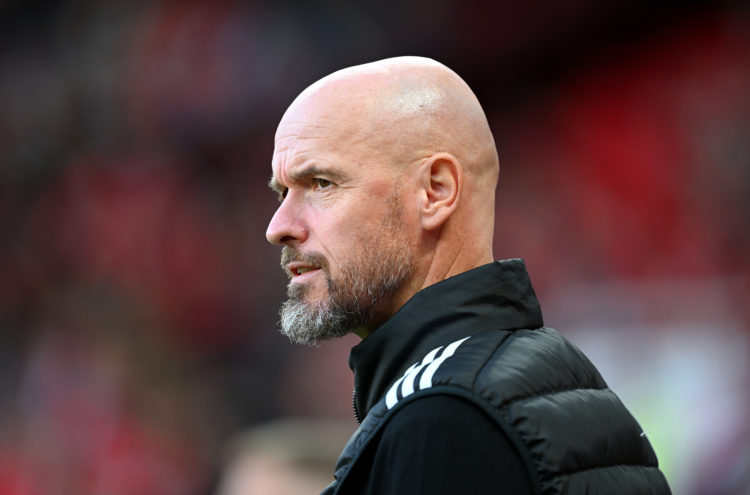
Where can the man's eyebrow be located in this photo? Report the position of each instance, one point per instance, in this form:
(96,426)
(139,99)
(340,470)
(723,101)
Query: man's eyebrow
(307,173)
(275,185)
(315,170)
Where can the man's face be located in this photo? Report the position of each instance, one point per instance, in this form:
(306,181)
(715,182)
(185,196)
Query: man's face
(346,248)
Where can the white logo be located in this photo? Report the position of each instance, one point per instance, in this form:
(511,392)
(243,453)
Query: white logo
(429,364)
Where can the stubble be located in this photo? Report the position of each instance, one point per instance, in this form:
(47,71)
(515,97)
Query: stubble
(364,279)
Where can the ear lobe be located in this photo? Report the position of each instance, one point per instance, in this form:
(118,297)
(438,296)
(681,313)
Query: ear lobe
(442,182)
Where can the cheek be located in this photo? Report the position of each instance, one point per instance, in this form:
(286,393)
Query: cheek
(353,238)
(334,235)
(354,225)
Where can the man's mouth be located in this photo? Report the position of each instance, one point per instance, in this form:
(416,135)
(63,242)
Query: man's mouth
(296,269)
(301,266)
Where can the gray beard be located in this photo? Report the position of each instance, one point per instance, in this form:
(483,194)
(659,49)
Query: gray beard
(352,297)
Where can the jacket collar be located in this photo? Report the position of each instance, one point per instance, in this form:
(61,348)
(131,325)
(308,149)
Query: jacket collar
(497,296)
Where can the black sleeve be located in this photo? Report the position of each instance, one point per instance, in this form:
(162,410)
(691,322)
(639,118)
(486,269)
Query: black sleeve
(445,445)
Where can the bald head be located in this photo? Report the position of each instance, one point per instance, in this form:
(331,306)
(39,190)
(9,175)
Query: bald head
(406,108)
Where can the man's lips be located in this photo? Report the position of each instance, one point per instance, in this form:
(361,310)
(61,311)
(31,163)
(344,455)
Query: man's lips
(297,269)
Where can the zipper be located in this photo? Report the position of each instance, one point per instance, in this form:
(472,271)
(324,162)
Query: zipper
(354,406)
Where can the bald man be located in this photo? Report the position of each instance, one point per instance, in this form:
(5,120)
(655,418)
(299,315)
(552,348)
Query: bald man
(386,176)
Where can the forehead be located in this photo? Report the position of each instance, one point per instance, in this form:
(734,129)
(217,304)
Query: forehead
(306,133)
(321,138)
(299,145)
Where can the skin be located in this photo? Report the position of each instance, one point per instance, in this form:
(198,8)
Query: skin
(407,131)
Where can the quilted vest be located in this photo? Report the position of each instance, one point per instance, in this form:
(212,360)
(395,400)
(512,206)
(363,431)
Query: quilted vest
(573,433)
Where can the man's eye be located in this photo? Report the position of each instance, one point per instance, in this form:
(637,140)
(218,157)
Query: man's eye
(322,183)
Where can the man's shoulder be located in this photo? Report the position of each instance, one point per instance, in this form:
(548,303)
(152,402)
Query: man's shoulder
(526,363)
(502,366)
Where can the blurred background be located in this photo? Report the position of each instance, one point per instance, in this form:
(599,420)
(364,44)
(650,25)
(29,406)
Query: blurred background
(139,298)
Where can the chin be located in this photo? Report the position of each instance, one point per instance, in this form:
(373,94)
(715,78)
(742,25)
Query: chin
(314,296)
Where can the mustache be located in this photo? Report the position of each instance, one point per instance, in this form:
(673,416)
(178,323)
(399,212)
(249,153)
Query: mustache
(312,258)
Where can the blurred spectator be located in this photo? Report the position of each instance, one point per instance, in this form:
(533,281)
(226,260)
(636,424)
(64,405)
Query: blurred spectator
(286,457)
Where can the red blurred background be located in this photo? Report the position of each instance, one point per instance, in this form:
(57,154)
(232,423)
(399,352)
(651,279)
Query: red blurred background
(138,296)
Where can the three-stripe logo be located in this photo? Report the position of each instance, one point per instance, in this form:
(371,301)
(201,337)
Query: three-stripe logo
(427,367)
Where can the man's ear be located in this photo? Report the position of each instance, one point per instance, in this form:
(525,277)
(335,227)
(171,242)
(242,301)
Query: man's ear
(442,183)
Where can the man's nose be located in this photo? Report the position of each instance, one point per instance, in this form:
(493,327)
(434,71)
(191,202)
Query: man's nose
(286,226)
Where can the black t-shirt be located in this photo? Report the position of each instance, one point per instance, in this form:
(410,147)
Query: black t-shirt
(440,445)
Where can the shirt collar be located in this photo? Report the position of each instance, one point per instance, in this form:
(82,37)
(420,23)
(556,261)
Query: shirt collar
(496,296)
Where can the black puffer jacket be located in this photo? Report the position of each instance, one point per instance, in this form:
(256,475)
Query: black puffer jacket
(479,336)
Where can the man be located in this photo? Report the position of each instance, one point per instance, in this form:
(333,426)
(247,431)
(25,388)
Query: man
(386,173)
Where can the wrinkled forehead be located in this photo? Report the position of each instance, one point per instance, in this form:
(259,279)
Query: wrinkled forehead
(302,135)
(324,125)
(331,109)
